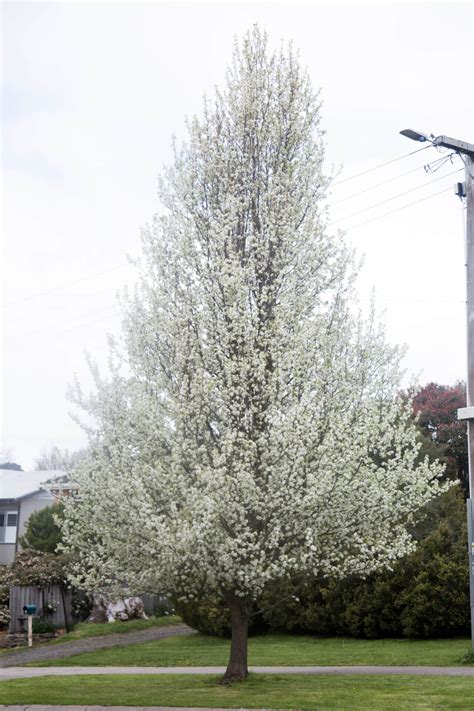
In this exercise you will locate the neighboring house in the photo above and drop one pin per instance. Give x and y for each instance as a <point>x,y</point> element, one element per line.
<point>21,494</point>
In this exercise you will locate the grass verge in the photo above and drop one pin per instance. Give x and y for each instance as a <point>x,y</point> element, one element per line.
<point>357,693</point>
<point>287,650</point>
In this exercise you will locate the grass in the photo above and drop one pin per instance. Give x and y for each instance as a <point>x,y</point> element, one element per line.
<point>310,693</point>
<point>83,630</point>
<point>285,650</point>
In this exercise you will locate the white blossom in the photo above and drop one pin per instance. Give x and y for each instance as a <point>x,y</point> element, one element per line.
<point>249,426</point>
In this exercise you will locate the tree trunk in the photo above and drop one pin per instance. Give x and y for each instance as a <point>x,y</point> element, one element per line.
<point>237,668</point>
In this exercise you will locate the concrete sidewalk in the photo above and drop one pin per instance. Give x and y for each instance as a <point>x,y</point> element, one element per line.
<point>33,672</point>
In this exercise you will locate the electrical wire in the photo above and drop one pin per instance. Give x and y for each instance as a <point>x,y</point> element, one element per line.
<point>384,182</point>
<point>415,301</point>
<point>65,284</point>
<point>381,165</point>
<point>466,165</point>
<point>67,325</point>
<point>394,197</point>
<point>398,209</point>
<point>377,185</point>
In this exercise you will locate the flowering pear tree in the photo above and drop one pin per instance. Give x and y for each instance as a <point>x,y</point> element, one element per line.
<point>249,427</point>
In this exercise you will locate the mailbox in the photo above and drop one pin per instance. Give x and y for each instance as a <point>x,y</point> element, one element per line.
<point>29,609</point>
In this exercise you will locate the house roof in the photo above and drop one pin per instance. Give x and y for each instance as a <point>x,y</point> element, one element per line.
<point>16,485</point>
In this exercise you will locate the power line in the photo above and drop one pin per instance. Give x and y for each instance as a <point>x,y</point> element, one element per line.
<point>67,325</point>
<point>398,209</point>
<point>415,301</point>
<point>381,165</point>
<point>395,197</point>
<point>58,287</point>
<point>383,182</point>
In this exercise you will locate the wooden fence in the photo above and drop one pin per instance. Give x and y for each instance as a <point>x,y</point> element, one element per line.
<point>152,601</point>
<point>53,597</point>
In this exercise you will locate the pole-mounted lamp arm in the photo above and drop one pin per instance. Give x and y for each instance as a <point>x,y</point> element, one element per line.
<point>445,141</point>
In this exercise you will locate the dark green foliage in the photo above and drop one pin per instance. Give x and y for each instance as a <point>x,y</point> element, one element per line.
<point>42,532</point>
<point>435,603</point>
<point>42,626</point>
<point>353,607</point>
<point>210,615</point>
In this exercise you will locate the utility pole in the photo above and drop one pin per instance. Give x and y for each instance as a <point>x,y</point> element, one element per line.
<point>466,152</point>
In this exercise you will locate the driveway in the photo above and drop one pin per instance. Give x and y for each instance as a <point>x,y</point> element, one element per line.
<point>69,649</point>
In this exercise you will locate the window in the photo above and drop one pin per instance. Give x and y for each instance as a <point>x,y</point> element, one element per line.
<point>8,524</point>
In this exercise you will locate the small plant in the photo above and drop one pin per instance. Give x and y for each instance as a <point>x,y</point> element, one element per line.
<point>42,626</point>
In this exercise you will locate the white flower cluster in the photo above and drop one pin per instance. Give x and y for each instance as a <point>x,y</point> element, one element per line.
<point>249,427</point>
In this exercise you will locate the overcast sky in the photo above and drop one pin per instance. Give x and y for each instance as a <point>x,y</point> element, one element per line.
<point>91,96</point>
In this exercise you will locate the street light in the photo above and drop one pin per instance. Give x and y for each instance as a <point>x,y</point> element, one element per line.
<point>466,153</point>
<point>415,135</point>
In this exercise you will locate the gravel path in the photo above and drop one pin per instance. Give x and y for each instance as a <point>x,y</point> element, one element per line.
<point>69,649</point>
<point>33,672</point>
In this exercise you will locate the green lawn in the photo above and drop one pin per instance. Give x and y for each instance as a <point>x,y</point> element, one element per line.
<point>276,650</point>
<point>89,629</point>
<point>357,693</point>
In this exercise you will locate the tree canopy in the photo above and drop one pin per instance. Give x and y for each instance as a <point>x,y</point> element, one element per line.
<point>57,458</point>
<point>436,407</point>
<point>249,428</point>
<point>42,530</point>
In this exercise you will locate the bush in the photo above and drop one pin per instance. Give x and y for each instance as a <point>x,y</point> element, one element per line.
<point>208,615</point>
<point>435,600</point>
<point>33,567</point>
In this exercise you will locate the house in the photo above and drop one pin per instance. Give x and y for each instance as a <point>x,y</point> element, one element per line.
<point>21,494</point>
